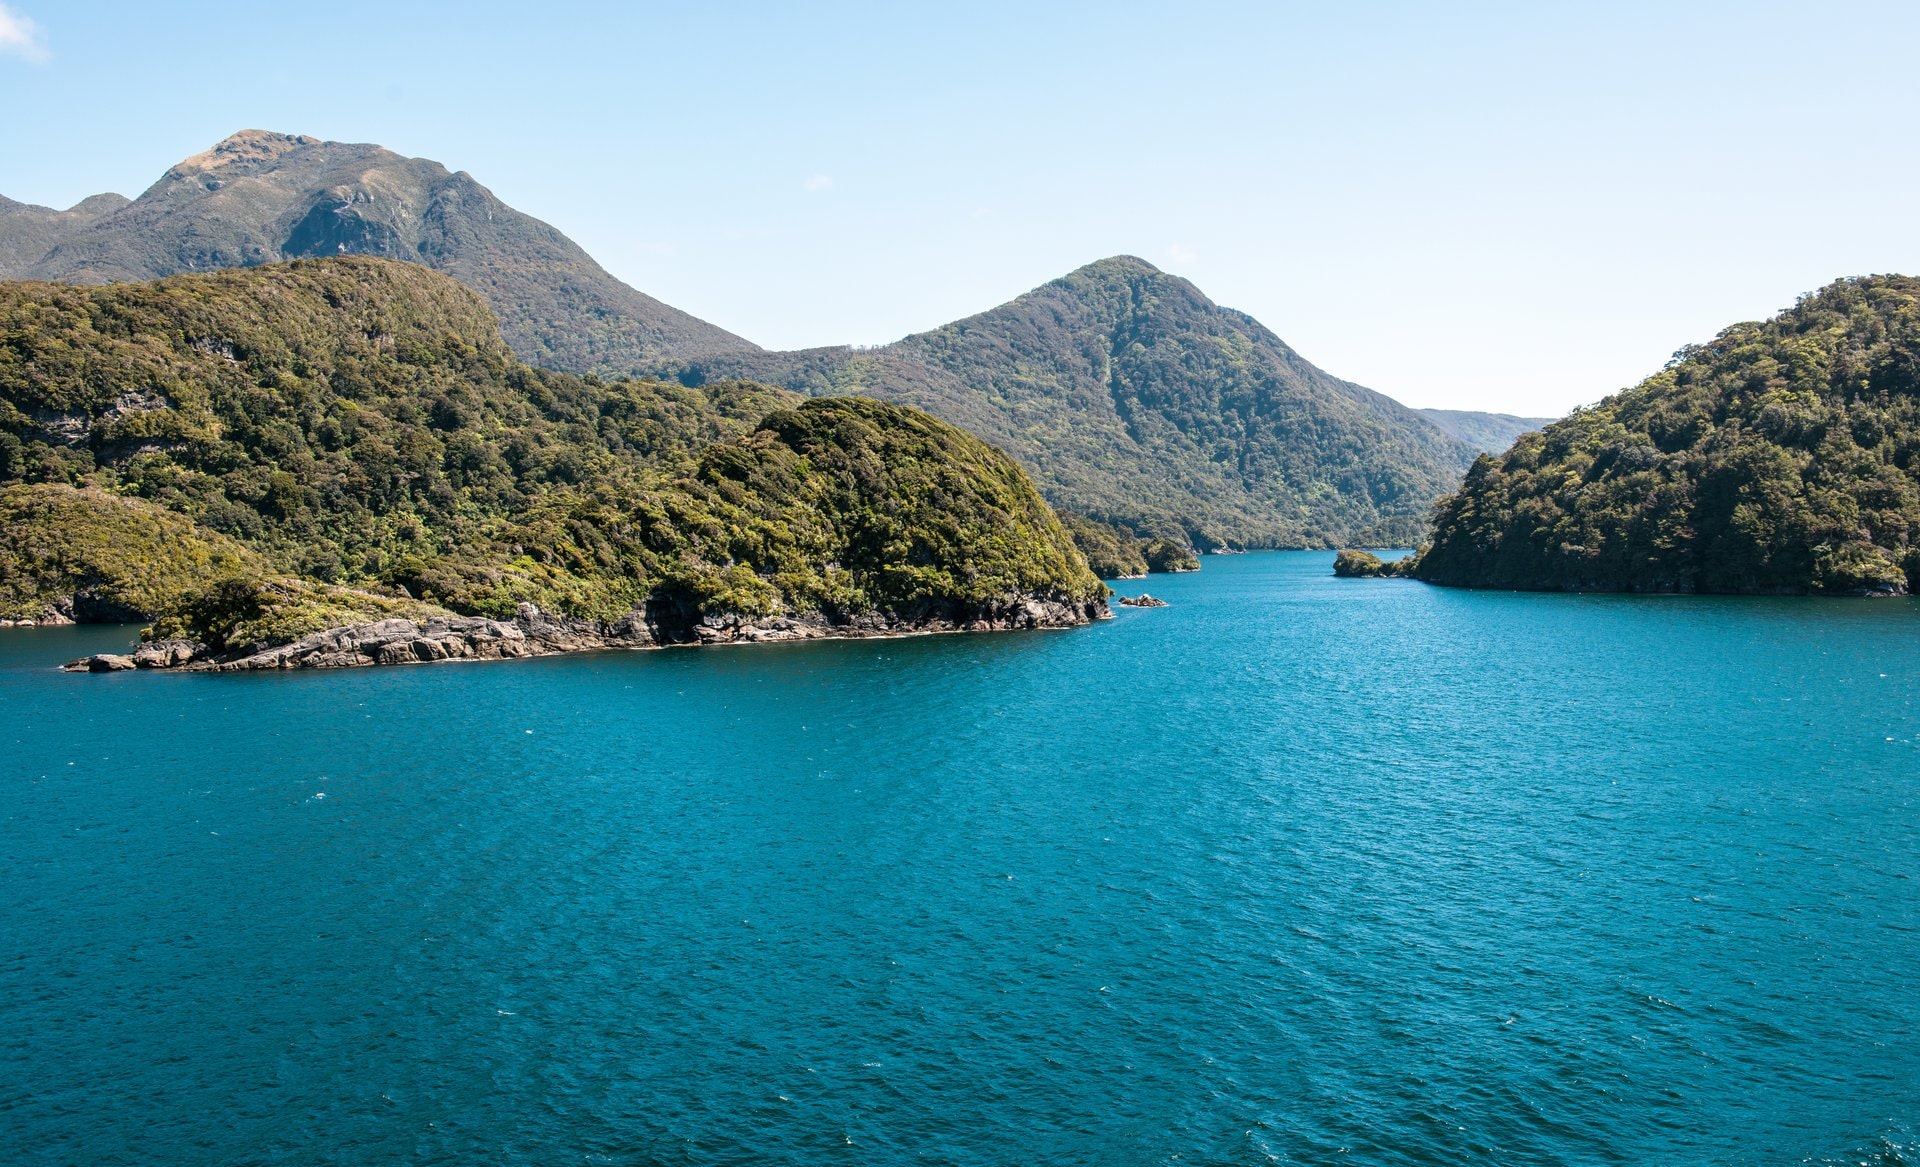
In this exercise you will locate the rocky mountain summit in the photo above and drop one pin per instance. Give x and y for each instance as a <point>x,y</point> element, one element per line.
<point>261,197</point>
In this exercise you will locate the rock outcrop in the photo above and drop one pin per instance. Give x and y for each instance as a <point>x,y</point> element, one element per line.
<point>535,633</point>
<point>1143,600</point>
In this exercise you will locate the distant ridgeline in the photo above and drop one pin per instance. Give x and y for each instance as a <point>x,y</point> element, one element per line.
<point>249,457</point>
<point>1782,457</point>
<point>1134,399</point>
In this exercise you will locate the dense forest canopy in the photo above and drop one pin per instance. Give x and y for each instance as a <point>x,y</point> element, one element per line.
<point>355,431</point>
<point>1783,456</point>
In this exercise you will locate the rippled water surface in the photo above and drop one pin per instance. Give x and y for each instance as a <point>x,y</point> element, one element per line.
<point>1296,870</point>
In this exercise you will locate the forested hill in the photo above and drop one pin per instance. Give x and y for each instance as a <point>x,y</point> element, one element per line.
<point>255,455</point>
<point>1133,398</point>
<point>261,197</point>
<point>1489,433</point>
<point>1780,457</point>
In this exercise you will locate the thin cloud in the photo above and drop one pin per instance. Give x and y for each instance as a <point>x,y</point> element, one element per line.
<point>818,182</point>
<point>21,37</point>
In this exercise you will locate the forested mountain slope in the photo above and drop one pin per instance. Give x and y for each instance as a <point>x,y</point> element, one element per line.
<point>1489,433</point>
<point>1133,398</point>
<point>1783,456</point>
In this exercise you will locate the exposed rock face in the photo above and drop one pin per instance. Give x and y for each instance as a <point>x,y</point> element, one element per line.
<point>166,654</point>
<point>535,633</point>
<point>51,618</point>
<point>1143,600</point>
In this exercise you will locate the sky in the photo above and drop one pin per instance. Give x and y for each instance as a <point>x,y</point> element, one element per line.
<point>1516,207</point>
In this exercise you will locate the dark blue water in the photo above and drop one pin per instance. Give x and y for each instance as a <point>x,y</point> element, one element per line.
<point>1297,870</point>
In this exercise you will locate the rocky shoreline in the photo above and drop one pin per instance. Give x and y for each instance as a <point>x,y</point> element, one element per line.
<point>535,633</point>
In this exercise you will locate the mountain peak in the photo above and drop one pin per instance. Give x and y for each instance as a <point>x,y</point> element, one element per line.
<point>1135,399</point>
<point>1118,265</point>
<point>246,148</point>
<point>261,197</point>
<point>100,204</point>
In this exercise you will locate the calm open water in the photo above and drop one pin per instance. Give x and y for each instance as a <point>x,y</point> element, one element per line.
<point>1298,870</point>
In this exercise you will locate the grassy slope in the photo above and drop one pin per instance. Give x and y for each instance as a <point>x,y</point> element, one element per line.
<point>123,558</point>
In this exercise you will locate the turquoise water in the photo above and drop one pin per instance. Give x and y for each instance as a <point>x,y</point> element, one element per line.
<point>1296,870</point>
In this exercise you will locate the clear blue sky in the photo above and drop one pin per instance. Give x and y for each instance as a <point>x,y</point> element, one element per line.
<point>1506,206</point>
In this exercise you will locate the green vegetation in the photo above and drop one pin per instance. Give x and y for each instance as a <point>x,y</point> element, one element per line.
<point>1112,552</point>
<point>1488,433</point>
<point>1134,399</point>
<point>307,445</point>
<point>1780,457</point>
<point>88,554</point>
<point>260,197</point>
<point>1117,553</point>
<point>1367,565</point>
<point>848,505</point>
<point>1128,395</point>
<point>1166,555</point>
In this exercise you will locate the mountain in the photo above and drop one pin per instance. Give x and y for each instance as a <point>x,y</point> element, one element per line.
<point>252,458</point>
<point>1780,457</point>
<point>27,232</point>
<point>1488,433</point>
<point>1134,399</point>
<point>261,197</point>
